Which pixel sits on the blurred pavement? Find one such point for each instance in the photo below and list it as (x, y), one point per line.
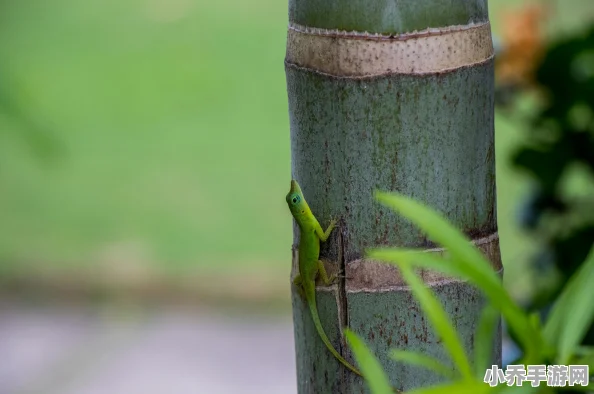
(49, 350)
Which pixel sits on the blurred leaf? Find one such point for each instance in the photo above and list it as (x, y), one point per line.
(466, 262)
(529, 339)
(439, 319)
(561, 75)
(573, 312)
(536, 204)
(589, 337)
(483, 340)
(572, 251)
(547, 166)
(460, 265)
(439, 230)
(584, 355)
(490, 284)
(372, 370)
(423, 360)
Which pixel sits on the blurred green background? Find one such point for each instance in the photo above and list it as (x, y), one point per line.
(168, 153)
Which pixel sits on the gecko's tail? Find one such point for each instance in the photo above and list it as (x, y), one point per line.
(318, 324)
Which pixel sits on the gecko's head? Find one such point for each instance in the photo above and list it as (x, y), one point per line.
(295, 199)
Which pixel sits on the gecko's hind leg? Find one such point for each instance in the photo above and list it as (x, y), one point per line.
(298, 282)
(324, 275)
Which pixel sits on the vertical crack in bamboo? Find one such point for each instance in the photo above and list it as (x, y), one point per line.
(341, 298)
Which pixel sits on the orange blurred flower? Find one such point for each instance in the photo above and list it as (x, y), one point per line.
(523, 45)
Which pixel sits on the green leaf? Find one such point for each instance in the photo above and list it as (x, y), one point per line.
(483, 340)
(423, 360)
(470, 265)
(584, 355)
(516, 319)
(372, 371)
(438, 229)
(448, 266)
(439, 319)
(573, 312)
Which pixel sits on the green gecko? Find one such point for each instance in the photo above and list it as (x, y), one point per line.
(311, 233)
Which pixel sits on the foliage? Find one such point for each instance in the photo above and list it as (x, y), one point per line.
(370, 367)
(559, 151)
(553, 341)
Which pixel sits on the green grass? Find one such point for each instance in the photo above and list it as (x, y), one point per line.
(174, 125)
(175, 128)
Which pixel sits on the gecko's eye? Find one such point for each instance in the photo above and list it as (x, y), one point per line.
(296, 199)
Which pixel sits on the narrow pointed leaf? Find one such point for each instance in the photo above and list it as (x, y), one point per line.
(423, 360)
(573, 313)
(493, 290)
(483, 343)
(372, 371)
(439, 319)
(437, 228)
